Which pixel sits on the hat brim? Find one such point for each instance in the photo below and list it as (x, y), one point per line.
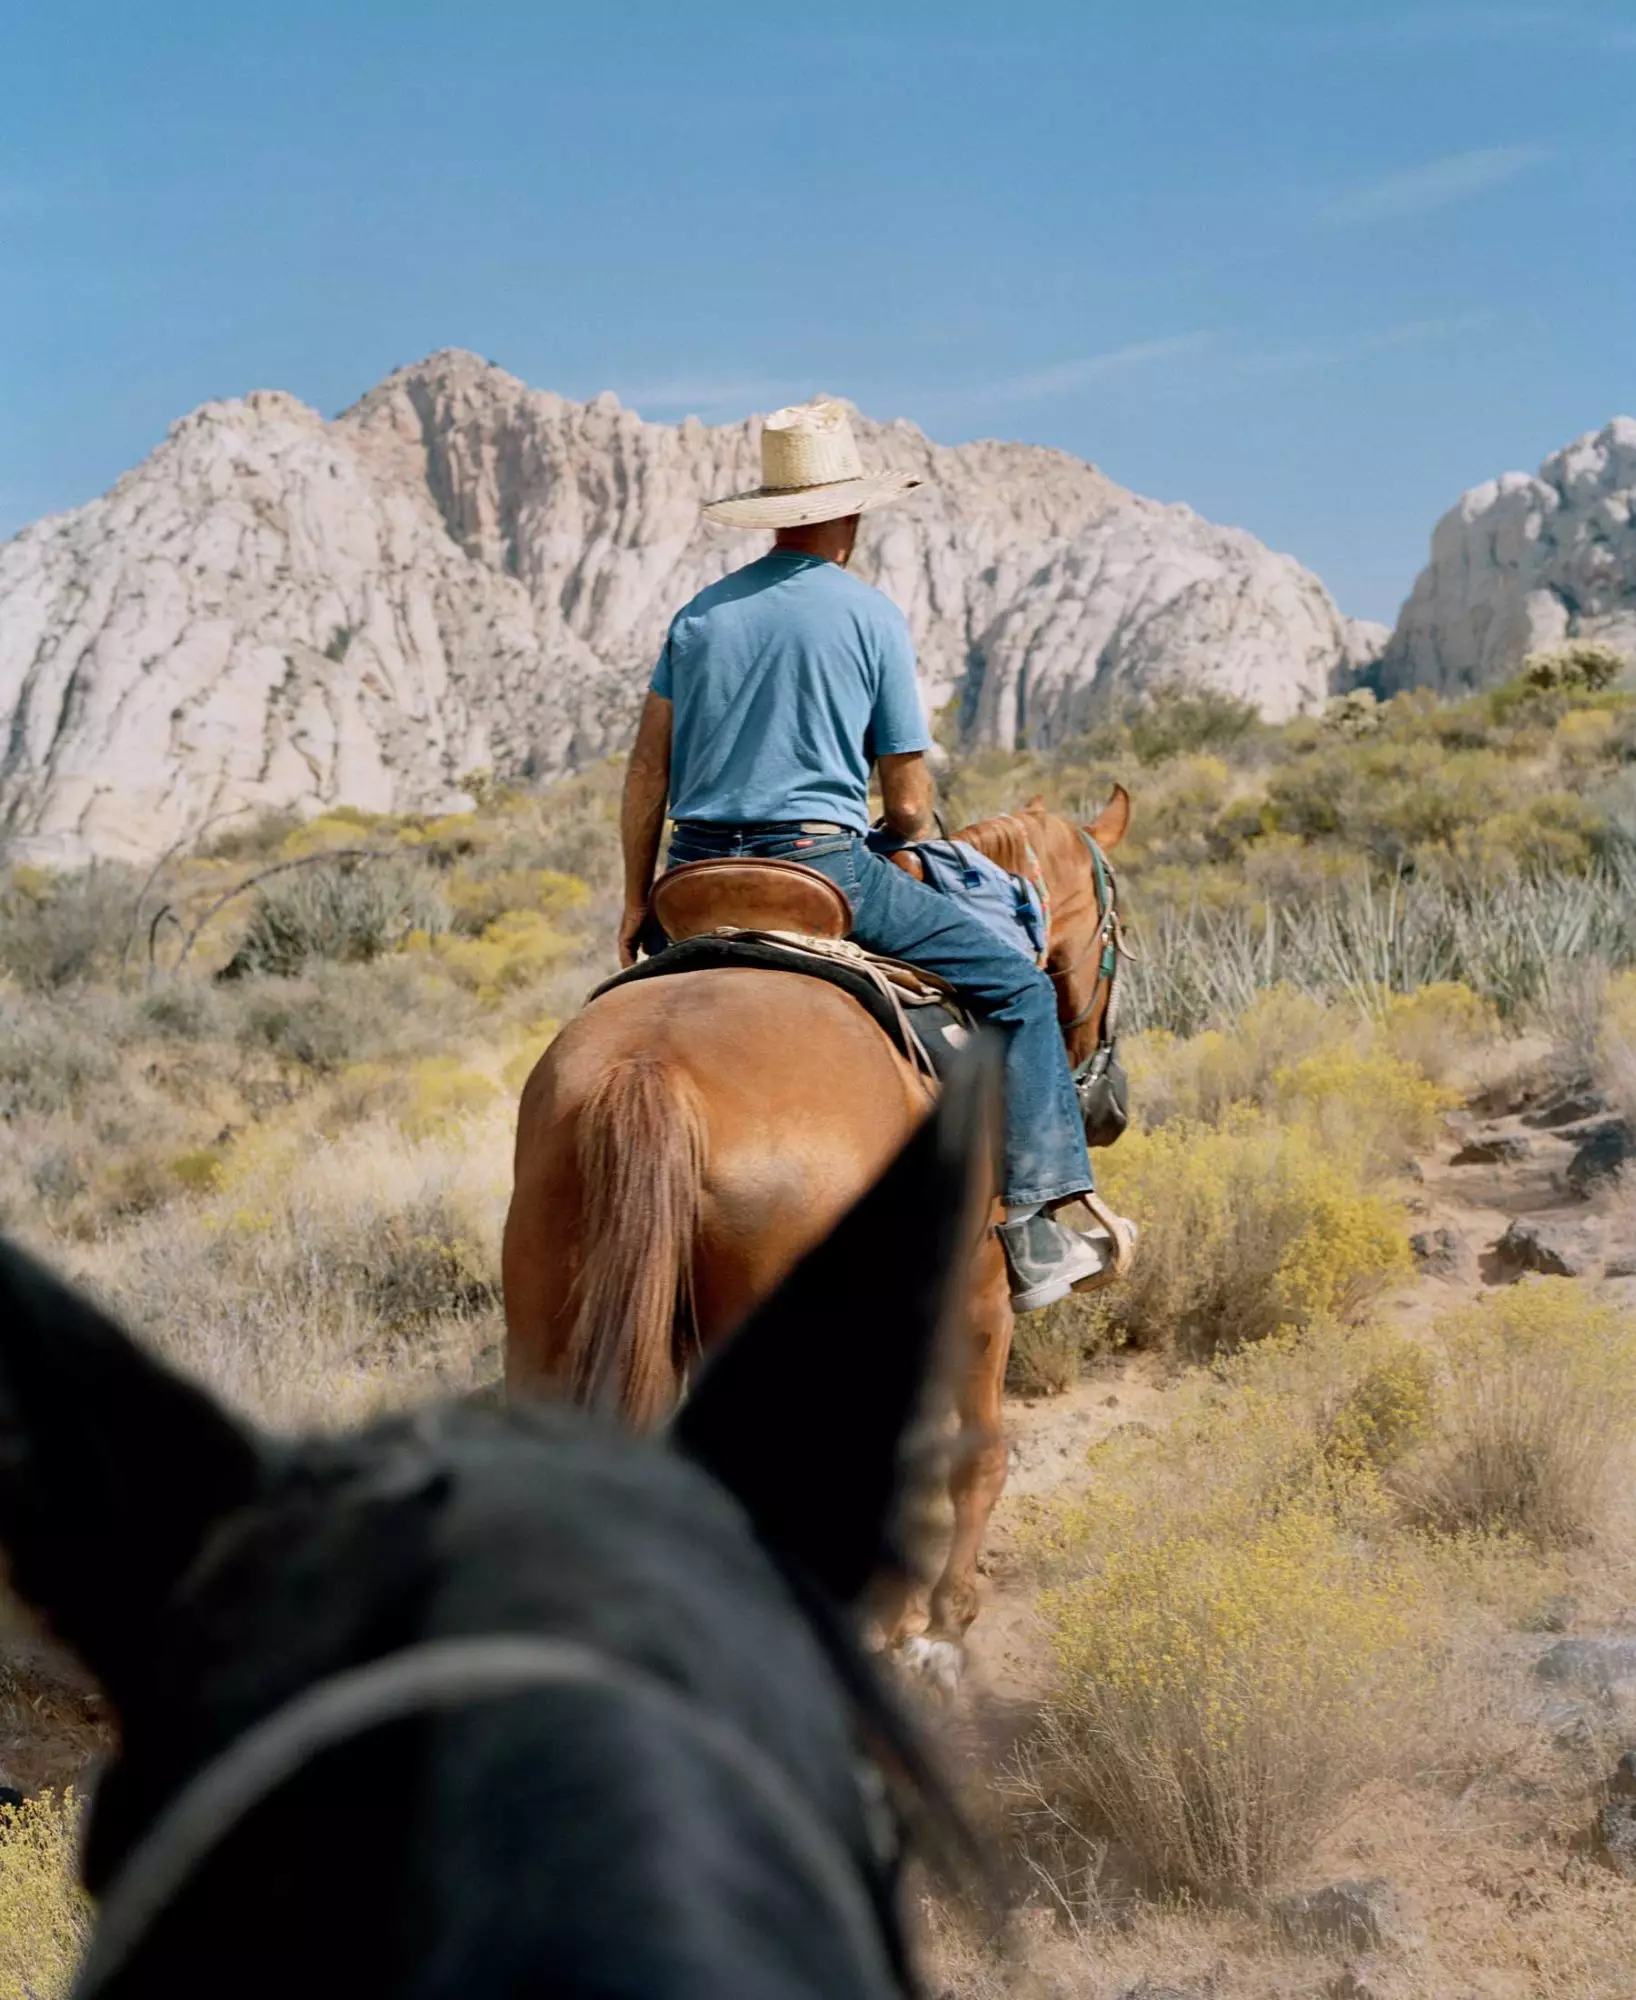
(803, 506)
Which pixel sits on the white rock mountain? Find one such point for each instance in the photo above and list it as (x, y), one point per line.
(461, 572)
(1521, 564)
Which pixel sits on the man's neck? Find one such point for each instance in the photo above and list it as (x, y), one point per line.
(829, 541)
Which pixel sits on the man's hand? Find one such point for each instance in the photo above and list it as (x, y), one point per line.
(630, 929)
(642, 816)
(907, 796)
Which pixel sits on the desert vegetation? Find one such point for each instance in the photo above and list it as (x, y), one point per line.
(1285, 1629)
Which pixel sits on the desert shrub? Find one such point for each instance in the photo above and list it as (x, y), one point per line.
(45, 1916)
(1614, 1058)
(348, 911)
(1180, 720)
(1364, 1103)
(1204, 1075)
(1385, 1411)
(1218, 1694)
(49, 1055)
(477, 899)
(1536, 1408)
(1048, 1348)
(184, 1011)
(1439, 1029)
(1246, 1227)
(57, 930)
(513, 952)
(1582, 664)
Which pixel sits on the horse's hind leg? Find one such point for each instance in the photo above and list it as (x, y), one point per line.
(979, 1474)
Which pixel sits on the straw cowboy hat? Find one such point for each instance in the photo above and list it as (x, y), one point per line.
(810, 471)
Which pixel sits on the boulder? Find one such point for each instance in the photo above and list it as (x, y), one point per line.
(1499, 1149)
(1598, 1666)
(1553, 1249)
(1353, 1915)
(1442, 1253)
(1521, 564)
(1615, 1837)
(1601, 1158)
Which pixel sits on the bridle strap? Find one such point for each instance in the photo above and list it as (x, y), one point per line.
(439, 1675)
(1109, 936)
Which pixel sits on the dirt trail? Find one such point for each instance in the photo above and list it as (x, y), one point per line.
(1502, 1163)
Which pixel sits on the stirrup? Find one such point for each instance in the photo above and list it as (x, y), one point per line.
(1122, 1232)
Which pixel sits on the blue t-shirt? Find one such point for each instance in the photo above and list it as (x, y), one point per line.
(787, 679)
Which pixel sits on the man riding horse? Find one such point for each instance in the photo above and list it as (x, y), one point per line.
(775, 691)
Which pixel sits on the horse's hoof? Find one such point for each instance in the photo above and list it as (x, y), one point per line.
(937, 1662)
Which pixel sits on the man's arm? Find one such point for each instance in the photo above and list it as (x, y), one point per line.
(642, 816)
(907, 795)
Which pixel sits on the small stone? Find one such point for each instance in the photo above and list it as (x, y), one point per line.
(1497, 1151)
(1349, 1985)
(1362, 1916)
(1596, 1665)
(1623, 1782)
(1441, 1253)
(1552, 1614)
(1555, 1250)
(1601, 1158)
(1616, 1837)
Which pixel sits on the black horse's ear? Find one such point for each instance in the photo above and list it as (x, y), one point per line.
(112, 1469)
(806, 1413)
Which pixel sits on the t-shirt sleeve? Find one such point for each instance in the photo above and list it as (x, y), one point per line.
(897, 724)
(661, 682)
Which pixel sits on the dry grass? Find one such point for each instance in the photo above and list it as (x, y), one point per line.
(1537, 1406)
(45, 1917)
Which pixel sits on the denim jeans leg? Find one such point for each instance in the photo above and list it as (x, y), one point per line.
(1044, 1137)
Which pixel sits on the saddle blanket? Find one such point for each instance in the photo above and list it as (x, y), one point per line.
(937, 1024)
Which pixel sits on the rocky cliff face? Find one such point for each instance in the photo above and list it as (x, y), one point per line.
(1523, 563)
(461, 572)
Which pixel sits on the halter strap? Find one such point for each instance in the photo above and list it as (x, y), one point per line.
(439, 1675)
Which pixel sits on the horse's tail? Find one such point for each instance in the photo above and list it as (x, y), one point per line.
(641, 1144)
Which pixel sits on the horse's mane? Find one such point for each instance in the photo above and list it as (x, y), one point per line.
(1005, 837)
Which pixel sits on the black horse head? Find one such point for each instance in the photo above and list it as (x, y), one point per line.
(675, 1808)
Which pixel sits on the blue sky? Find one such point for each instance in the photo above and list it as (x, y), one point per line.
(1312, 268)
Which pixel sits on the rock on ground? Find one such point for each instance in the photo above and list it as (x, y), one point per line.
(1357, 1916)
(461, 572)
(1553, 1249)
(1523, 563)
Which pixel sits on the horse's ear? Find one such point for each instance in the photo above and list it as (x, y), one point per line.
(806, 1414)
(112, 1469)
(1110, 825)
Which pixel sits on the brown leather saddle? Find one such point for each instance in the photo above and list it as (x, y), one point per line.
(700, 896)
(725, 914)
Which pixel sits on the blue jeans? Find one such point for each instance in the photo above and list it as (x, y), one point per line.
(892, 913)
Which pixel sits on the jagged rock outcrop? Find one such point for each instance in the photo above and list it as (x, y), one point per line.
(1522, 564)
(461, 572)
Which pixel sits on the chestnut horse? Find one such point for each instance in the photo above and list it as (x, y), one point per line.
(684, 1141)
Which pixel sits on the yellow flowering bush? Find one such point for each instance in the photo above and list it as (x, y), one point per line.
(45, 1916)
(1364, 1103)
(479, 900)
(1218, 1695)
(1246, 1227)
(1537, 1407)
(512, 951)
(1439, 1028)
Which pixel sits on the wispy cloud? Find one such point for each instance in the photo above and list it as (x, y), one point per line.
(1409, 333)
(1436, 184)
(1062, 377)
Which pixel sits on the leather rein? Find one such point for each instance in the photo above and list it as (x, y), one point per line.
(434, 1677)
